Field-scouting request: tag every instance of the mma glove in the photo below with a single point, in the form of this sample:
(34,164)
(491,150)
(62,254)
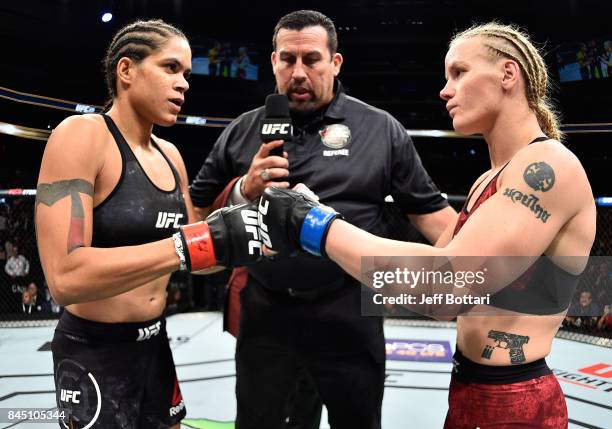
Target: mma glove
(290,221)
(229,237)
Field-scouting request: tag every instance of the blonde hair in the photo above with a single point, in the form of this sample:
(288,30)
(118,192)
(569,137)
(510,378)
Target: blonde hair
(507,41)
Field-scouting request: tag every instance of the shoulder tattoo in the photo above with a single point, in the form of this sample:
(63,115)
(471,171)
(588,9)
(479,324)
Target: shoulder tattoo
(539,176)
(50,193)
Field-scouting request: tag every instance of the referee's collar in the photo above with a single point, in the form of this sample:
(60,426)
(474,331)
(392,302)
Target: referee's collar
(335,109)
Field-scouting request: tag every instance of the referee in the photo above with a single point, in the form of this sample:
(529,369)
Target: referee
(302,312)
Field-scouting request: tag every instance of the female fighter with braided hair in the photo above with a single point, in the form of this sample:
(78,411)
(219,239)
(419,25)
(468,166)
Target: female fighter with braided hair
(535,200)
(112,209)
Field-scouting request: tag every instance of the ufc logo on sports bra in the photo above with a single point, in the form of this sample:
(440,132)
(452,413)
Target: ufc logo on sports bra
(146,333)
(165,219)
(249,217)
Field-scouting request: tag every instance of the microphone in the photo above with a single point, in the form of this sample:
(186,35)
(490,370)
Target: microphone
(276,125)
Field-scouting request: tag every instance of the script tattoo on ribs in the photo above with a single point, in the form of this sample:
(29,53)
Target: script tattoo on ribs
(50,193)
(506,341)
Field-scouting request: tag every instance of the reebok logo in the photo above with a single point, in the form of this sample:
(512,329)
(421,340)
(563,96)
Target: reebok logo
(146,333)
(165,219)
(175,410)
(177,400)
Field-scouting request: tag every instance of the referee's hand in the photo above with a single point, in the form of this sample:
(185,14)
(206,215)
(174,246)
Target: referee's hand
(265,171)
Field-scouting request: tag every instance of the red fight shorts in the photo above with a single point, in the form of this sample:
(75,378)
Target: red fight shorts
(533,404)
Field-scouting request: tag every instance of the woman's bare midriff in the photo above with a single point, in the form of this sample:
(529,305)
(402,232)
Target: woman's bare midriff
(534,334)
(138,305)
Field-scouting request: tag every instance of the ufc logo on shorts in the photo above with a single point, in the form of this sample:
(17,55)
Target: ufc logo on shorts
(70,396)
(165,219)
(275,128)
(249,217)
(146,333)
(263,228)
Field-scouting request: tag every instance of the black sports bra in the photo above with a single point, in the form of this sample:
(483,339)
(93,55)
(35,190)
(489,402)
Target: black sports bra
(137,211)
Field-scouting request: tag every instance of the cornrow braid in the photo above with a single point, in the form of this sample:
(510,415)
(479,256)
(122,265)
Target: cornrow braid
(136,41)
(507,41)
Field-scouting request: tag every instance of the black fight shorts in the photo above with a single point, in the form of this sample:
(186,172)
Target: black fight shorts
(115,375)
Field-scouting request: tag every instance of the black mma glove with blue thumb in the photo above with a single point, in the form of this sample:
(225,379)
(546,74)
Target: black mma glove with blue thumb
(289,221)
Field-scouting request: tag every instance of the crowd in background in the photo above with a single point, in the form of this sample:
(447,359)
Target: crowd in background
(595,59)
(23,288)
(591,307)
(223,61)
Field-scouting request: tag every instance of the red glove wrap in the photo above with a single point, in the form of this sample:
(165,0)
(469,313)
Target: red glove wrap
(199,244)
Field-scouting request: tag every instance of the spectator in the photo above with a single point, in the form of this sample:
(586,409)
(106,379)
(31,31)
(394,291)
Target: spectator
(605,321)
(3,224)
(584,61)
(606,58)
(27,302)
(242,63)
(593,54)
(213,59)
(603,284)
(48,305)
(585,313)
(17,266)
(33,289)
(225,59)
(8,301)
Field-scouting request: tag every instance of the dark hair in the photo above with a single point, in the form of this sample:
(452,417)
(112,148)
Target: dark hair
(301,19)
(136,41)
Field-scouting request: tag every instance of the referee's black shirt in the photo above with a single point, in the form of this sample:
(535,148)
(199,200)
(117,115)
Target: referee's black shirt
(352,174)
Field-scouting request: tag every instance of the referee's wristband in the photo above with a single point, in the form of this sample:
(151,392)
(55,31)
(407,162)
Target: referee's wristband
(314,229)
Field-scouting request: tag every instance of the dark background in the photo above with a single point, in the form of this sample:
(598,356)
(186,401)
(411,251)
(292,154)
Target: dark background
(393,51)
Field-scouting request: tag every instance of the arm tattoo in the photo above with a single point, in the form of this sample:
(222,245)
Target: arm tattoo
(506,341)
(530,201)
(50,193)
(539,176)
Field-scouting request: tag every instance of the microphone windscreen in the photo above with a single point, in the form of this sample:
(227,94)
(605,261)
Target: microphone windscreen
(277,106)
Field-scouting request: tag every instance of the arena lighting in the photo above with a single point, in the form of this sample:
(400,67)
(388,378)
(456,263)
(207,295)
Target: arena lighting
(439,133)
(106,16)
(9,129)
(25,132)
(604,201)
